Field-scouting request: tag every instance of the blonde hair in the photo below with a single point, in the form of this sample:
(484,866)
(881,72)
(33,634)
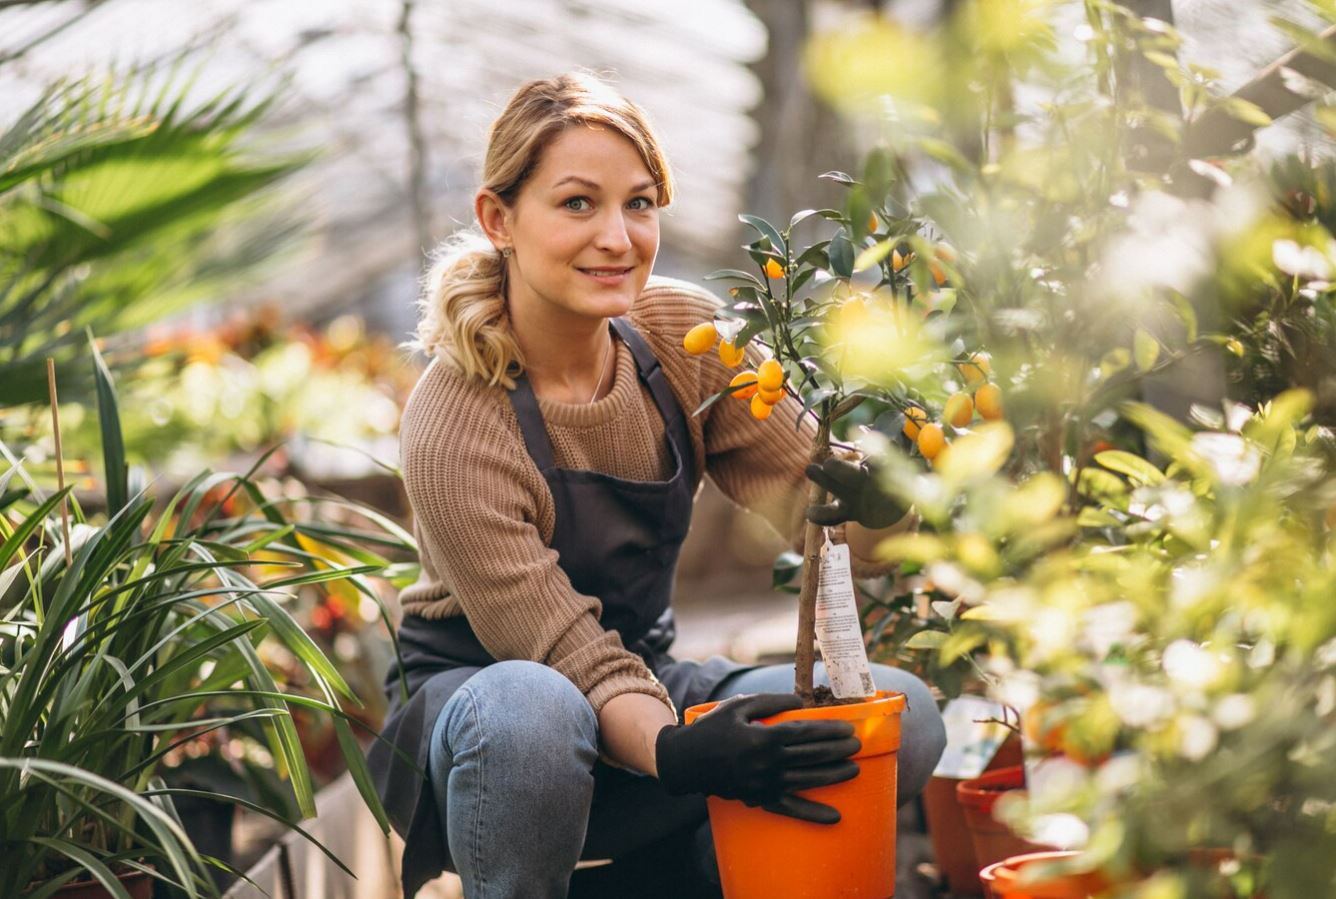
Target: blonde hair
(464,320)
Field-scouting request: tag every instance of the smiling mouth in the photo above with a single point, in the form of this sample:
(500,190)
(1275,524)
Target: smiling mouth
(607,272)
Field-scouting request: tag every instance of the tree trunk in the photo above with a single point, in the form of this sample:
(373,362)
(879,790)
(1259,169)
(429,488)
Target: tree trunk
(804,653)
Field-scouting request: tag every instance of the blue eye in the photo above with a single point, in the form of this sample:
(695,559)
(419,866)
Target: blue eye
(645,204)
(570,204)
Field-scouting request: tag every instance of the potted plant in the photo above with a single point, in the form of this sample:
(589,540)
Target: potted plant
(115,638)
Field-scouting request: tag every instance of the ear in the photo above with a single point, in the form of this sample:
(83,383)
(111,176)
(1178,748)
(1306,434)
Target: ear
(494,216)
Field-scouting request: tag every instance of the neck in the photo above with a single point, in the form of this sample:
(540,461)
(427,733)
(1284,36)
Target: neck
(565,357)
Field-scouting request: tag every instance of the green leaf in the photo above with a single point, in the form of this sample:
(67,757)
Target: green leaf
(109,420)
(874,254)
(1146,350)
(1186,314)
(361,774)
(943,152)
(841,256)
(1138,469)
(927,639)
(1114,361)
(1245,111)
(732,274)
(767,231)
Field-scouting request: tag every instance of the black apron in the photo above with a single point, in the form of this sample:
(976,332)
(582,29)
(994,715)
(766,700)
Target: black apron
(615,539)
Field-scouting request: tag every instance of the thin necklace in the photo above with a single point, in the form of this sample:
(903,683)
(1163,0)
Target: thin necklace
(601,369)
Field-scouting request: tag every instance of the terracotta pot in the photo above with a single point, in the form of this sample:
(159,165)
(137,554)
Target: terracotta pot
(138,884)
(764,855)
(1006,879)
(952,845)
(993,841)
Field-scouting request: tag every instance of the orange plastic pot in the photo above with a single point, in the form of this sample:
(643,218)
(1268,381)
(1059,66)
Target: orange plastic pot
(952,845)
(1008,879)
(764,855)
(993,841)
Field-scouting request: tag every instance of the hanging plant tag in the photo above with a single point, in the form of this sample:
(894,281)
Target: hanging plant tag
(837,627)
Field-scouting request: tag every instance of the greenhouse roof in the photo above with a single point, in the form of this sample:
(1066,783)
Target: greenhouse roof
(686,63)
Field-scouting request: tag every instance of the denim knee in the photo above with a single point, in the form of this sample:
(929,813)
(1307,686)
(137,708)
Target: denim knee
(523,708)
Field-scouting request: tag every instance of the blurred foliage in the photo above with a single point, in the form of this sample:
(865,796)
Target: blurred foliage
(125,199)
(1151,593)
(129,636)
(240,388)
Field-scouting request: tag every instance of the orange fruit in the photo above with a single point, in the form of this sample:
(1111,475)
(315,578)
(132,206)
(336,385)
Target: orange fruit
(747,377)
(988,400)
(898,262)
(770,375)
(915,418)
(959,410)
(730,355)
(773,269)
(977,369)
(700,338)
(938,272)
(760,409)
(872,222)
(945,252)
(931,440)
(770,397)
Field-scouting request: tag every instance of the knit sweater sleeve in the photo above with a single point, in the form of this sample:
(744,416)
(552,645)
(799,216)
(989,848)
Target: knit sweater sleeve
(475,495)
(757,464)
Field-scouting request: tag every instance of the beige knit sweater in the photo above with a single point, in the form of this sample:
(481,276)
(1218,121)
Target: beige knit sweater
(483,515)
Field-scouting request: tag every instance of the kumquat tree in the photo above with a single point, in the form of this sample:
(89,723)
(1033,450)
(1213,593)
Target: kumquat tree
(1083,328)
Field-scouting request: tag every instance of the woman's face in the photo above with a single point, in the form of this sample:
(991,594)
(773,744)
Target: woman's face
(584,227)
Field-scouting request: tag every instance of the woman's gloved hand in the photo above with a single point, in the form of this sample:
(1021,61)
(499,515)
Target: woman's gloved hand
(856,495)
(726,753)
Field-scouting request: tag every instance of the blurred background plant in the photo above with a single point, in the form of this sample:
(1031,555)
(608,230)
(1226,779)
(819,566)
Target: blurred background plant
(141,637)
(1133,553)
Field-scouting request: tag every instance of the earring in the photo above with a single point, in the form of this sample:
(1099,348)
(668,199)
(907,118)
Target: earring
(505,252)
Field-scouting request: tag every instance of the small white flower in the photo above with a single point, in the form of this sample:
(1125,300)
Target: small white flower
(1190,665)
(1303,262)
(1197,737)
(1234,711)
(1062,830)
(1234,460)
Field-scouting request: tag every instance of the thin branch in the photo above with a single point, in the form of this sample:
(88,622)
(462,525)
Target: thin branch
(417,145)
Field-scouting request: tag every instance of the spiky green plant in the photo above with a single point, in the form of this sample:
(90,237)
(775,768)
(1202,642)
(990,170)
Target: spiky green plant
(106,661)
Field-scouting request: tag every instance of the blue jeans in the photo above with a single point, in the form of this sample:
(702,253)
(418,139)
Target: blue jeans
(514,765)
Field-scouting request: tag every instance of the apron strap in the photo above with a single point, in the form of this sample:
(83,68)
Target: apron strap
(651,372)
(531,424)
(530,418)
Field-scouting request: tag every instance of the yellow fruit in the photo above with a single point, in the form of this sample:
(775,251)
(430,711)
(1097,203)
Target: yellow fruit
(770,397)
(700,338)
(730,355)
(747,377)
(931,440)
(938,272)
(773,269)
(770,375)
(898,261)
(959,410)
(915,418)
(977,369)
(988,400)
(760,409)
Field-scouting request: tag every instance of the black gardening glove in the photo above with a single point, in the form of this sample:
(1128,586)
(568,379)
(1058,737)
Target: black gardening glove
(856,496)
(725,753)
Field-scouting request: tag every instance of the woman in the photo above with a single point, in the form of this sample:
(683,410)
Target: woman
(551,468)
